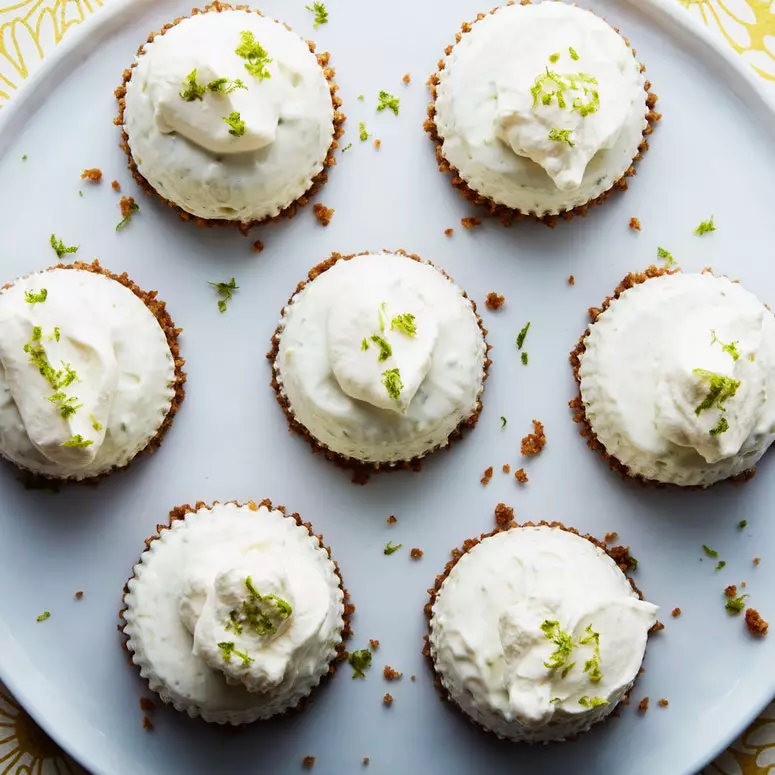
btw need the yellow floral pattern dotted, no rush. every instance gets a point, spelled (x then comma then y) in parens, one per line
(30, 29)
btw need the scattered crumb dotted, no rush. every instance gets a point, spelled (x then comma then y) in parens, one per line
(147, 724)
(757, 560)
(621, 556)
(754, 622)
(115, 185)
(94, 175)
(521, 476)
(470, 223)
(485, 480)
(377, 144)
(675, 613)
(731, 591)
(504, 515)
(643, 705)
(127, 205)
(506, 469)
(657, 626)
(366, 761)
(663, 703)
(743, 585)
(407, 79)
(494, 301)
(374, 644)
(448, 232)
(308, 762)
(323, 214)
(391, 674)
(571, 280)
(79, 594)
(391, 520)
(146, 704)
(534, 442)
(634, 224)
(388, 699)
(611, 537)
(412, 677)
(258, 246)
(416, 554)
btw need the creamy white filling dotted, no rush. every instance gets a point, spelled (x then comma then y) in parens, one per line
(282, 116)
(381, 358)
(504, 611)
(676, 379)
(180, 604)
(541, 107)
(87, 375)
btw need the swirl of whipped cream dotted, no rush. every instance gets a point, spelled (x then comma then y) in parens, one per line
(381, 357)
(528, 650)
(229, 115)
(676, 379)
(235, 613)
(87, 374)
(541, 107)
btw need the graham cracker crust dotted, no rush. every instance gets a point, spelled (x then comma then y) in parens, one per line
(577, 404)
(158, 308)
(317, 182)
(467, 546)
(507, 215)
(180, 512)
(362, 471)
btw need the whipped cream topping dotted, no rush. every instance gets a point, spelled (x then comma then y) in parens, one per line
(537, 634)
(676, 379)
(87, 374)
(541, 107)
(234, 613)
(381, 358)
(229, 115)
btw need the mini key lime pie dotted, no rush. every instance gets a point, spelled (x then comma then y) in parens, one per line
(536, 633)
(379, 359)
(676, 378)
(539, 109)
(91, 371)
(235, 612)
(229, 116)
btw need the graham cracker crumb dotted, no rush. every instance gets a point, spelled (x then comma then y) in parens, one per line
(643, 705)
(366, 761)
(126, 204)
(754, 622)
(79, 594)
(757, 560)
(494, 301)
(258, 246)
(407, 79)
(416, 554)
(743, 585)
(521, 476)
(377, 144)
(731, 591)
(506, 469)
(115, 185)
(391, 674)
(147, 724)
(470, 223)
(657, 626)
(448, 232)
(388, 699)
(571, 280)
(412, 677)
(663, 703)
(485, 480)
(675, 613)
(146, 704)
(391, 520)
(374, 644)
(323, 214)
(611, 537)
(534, 442)
(504, 515)
(94, 175)
(634, 224)
(308, 762)
(621, 556)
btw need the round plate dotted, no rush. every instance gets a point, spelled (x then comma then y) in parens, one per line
(712, 154)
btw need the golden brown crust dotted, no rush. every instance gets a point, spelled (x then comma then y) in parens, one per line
(159, 310)
(180, 512)
(577, 404)
(508, 215)
(317, 182)
(362, 471)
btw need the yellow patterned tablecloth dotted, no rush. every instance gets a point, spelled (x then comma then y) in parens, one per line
(30, 29)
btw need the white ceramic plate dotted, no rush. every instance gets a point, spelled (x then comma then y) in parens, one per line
(713, 154)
